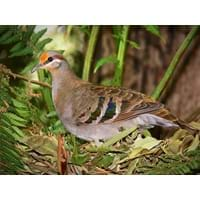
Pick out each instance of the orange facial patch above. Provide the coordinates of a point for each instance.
(44, 56)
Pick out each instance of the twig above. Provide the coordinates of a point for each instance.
(4, 70)
(172, 66)
(62, 156)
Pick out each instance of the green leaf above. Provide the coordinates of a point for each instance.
(105, 60)
(23, 52)
(105, 161)
(194, 144)
(11, 154)
(19, 104)
(119, 136)
(4, 120)
(42, 144)
(140, 145)
(146, 143)
(17, 47)
(117, 30)
(133, 44)
(85, 29)
(15, 120)
(38, 35)
(19, 132)
(14, 132)
(14, 117)
(5, 36)
(51, 114)
(57, 127)
(79, 159)
(40, 45)
(11, 39)
(154, 29)
(4, 28)
(23, 113)
(9, 136)
(29, 67)
(29, 31)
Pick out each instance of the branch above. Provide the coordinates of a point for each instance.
(6, 71)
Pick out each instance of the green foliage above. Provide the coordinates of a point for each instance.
(172, 66)
(174, 165)
(90, 52)
(14, 117)
(105, 60)
(153, 29)
(46, 92)
(103, 161)
(18, 120)
(117, 31)
(22, 42)
(117, 79)
(133, 44)
(25, 44)
(86, 29)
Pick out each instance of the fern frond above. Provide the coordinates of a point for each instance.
(174, 165)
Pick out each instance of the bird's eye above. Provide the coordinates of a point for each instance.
(50, 59)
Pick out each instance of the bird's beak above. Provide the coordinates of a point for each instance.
(36, 68)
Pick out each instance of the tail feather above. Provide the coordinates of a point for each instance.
(167, 115)
(187, 127)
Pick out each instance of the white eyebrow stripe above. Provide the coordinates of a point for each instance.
(53, 61)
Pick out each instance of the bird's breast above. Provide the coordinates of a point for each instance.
(62, 103)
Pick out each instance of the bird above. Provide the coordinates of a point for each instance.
(95, 112)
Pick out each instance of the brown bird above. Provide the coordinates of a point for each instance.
(94, 112)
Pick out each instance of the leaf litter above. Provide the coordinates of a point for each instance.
(131, 154)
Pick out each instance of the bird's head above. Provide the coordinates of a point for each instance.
(50, 60)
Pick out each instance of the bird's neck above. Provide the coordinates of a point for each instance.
(64, 81)
(65, 78)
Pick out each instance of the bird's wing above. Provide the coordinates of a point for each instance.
(100, 104)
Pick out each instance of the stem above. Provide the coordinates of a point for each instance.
(46, 92)
(69, 30)
(172, 66)
(90, 52)
(10, 73)
(117, 80)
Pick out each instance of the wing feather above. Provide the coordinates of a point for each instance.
(100, 104)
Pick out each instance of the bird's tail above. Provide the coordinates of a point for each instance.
(172, 120)
(187, 127)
